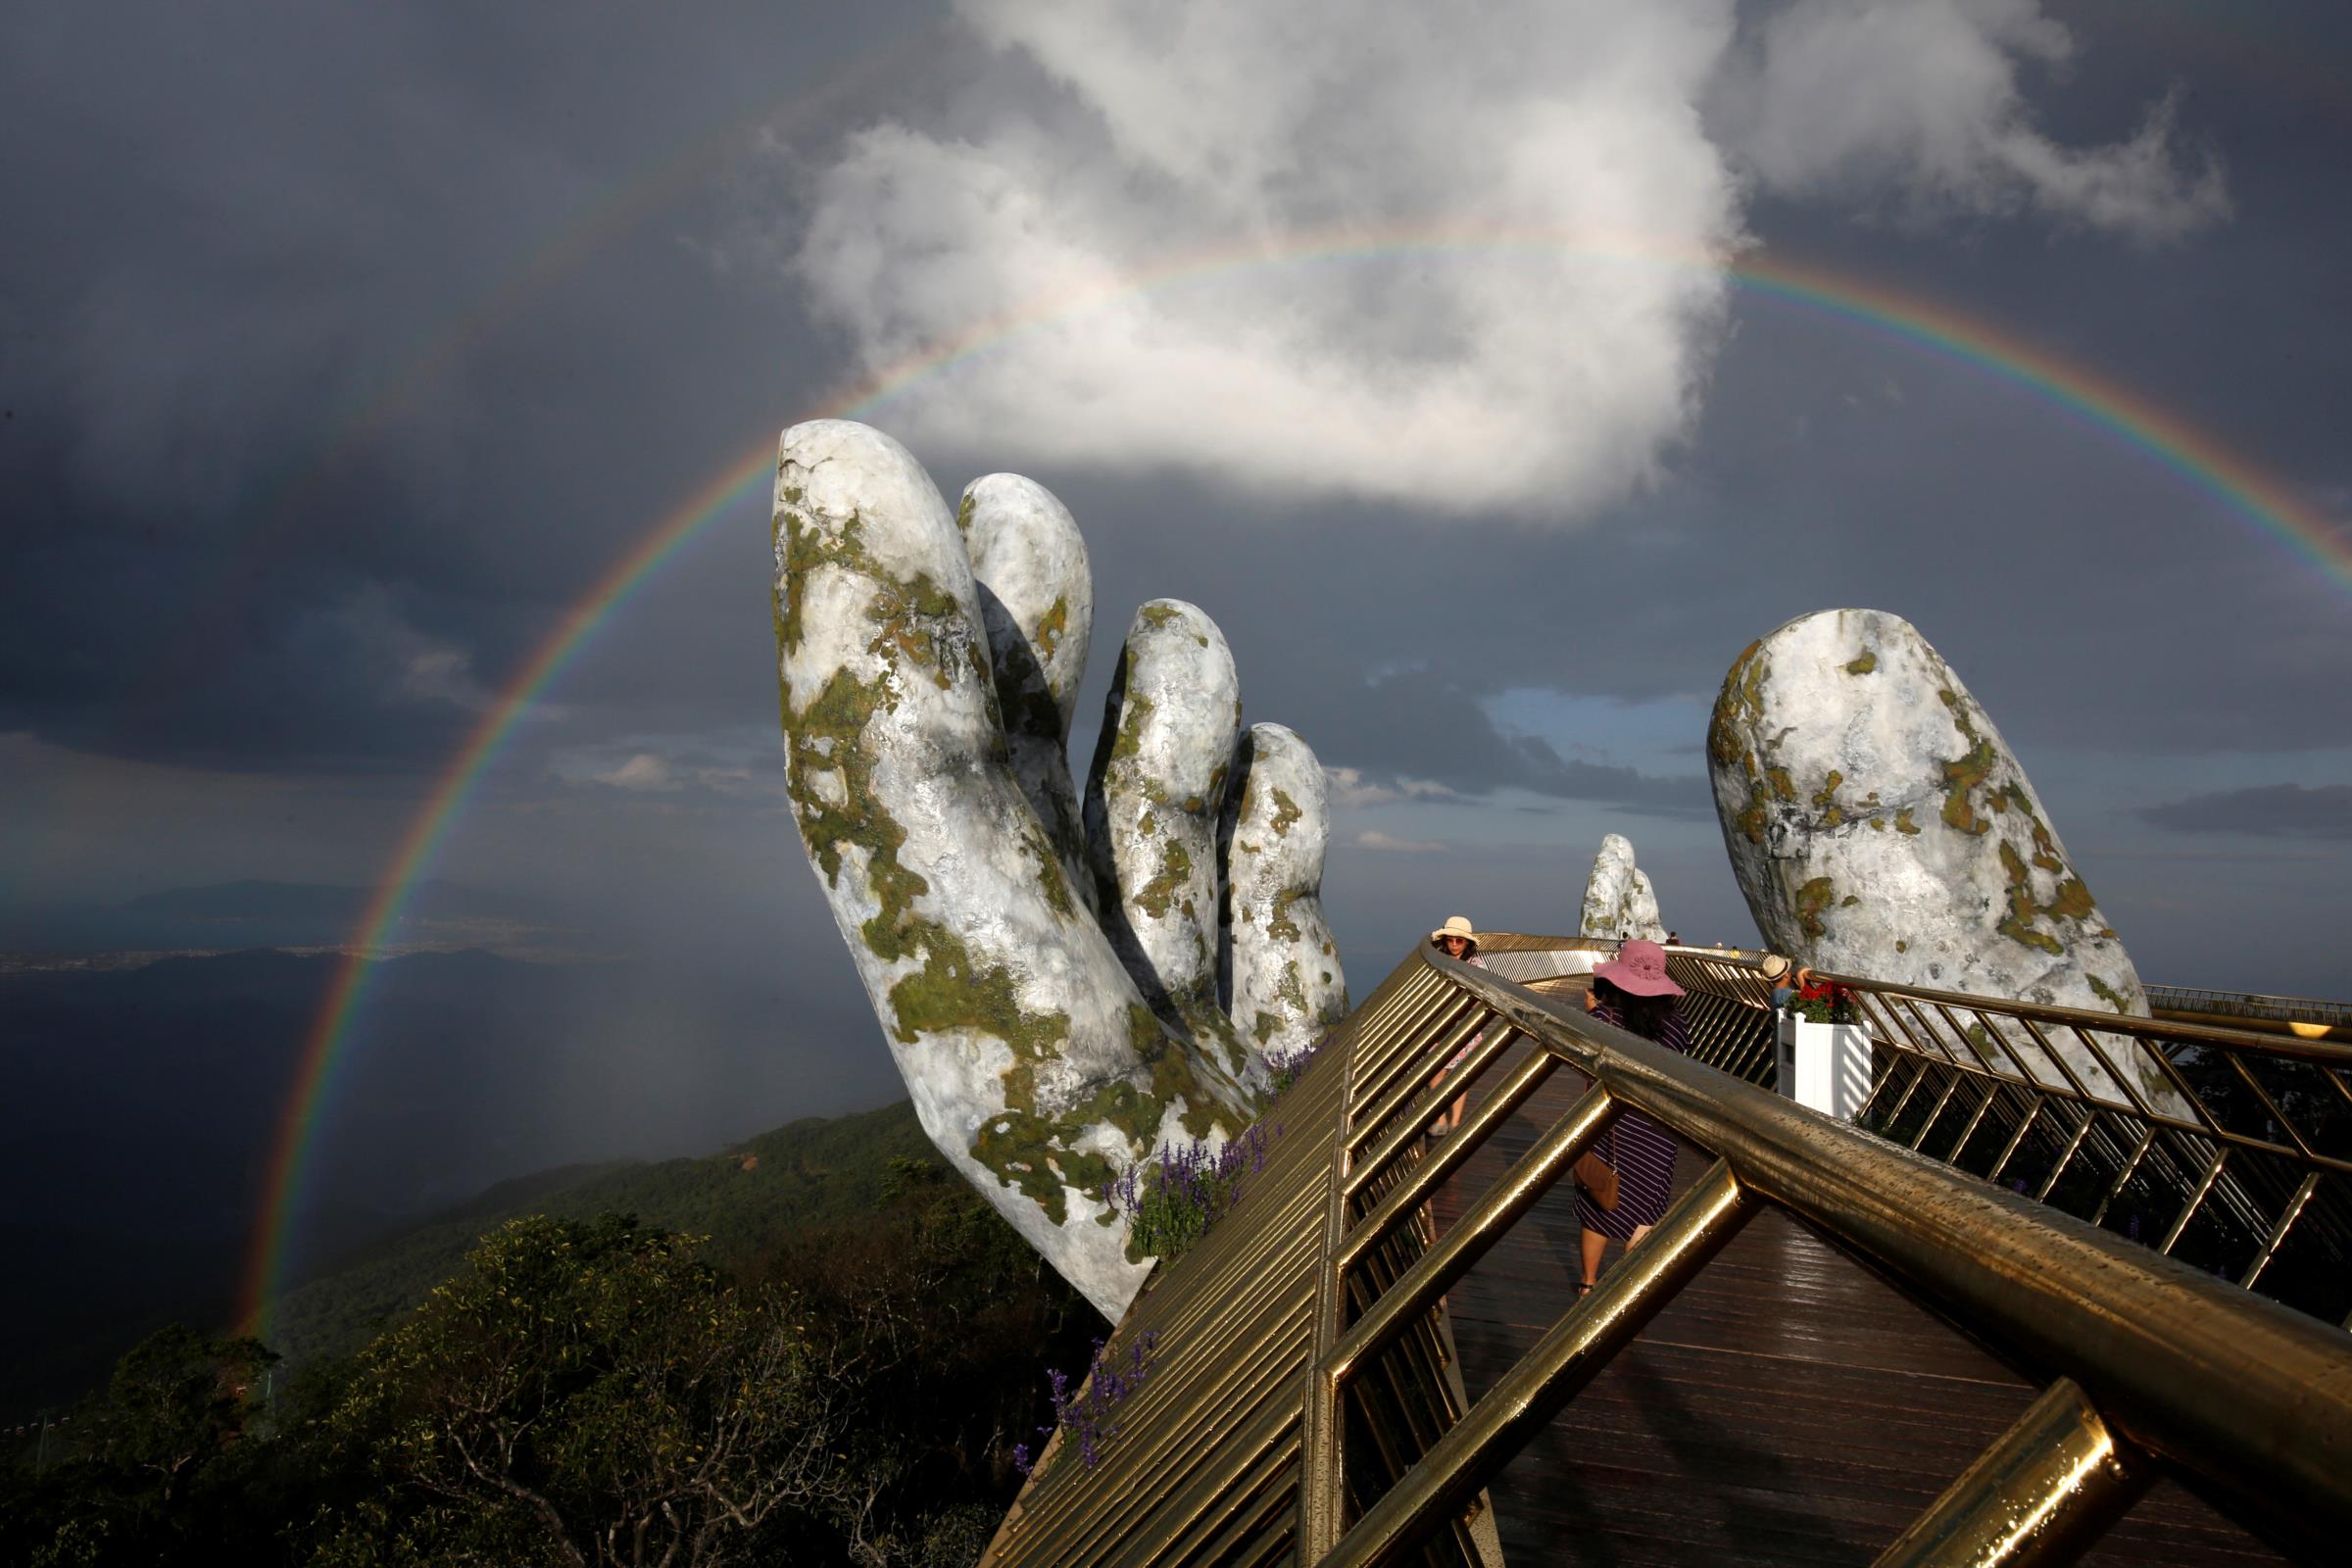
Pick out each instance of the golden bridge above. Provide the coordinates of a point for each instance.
(1990, 1317)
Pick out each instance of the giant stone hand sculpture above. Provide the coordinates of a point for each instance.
(1878, 825)
(927, 711)
(1619, 900)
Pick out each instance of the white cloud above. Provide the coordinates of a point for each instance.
(1372, 838)
(1544, 377)
(1349, 788)
(643, 771)
(1459, 259)
(1920, 100)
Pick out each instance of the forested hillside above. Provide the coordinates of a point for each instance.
(750, 1200)
(566, 1370)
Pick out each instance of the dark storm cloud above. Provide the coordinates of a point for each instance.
(343, 348)
(2274, 811)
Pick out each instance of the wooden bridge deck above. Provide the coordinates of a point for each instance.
(1788, 1407)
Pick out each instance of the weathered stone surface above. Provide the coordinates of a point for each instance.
(1279, 970)
(1879, 826)
(1618, 898)
(1152, 803)
(1033, 1063)
(1036, 599)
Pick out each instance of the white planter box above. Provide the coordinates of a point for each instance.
(1825, 1066)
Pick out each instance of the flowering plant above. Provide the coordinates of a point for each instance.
(1085, 1414)
(1825, 1001)
(1285, 1066)
(1174, 1196)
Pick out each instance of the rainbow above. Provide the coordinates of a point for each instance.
(2264, 505)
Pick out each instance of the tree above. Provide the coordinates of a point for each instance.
(153, 1469)
(176, 1402)
(590, 1394)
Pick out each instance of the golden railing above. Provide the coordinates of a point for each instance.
(2241, 1163)
(1304, 1405)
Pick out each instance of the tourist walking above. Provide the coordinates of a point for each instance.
(1456, 940)
(1633, 992)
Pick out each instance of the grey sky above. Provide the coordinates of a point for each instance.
(344, 347)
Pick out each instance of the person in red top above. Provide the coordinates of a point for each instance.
(1633, 992)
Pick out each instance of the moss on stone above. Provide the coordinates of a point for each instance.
(1740, 697)
(1279, 923)
(1963, 773)
(1172, 1074)
(1811, 899)
(1904, 825)
(2018, 925)
(1751, 820)
(2071, 901)
(1781, 785)
(1052, 627)
(1159, 895)
(1025, 1150)
(1135, 712)
(825, 738)
(1052, 879)
(2108, 994)
(1291, 989)
(1862, 663)
(1286, 813)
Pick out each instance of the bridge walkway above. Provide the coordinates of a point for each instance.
(1377, 1358)
(1788, 1407)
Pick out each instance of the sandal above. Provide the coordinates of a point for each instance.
(1583, 1288)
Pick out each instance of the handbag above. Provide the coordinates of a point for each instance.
(1598, 1178)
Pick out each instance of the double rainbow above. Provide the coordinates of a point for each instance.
(2261, 503)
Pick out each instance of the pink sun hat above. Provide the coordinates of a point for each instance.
(1639, 970)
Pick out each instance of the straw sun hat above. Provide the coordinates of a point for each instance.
(1456, 925)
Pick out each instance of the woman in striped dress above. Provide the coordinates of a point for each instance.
(1633, 992)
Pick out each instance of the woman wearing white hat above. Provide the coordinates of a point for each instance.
(1633, 992)
(1456, 940)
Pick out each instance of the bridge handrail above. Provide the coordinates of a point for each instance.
(2147, 1353)
(2308, 1012)
(2254, 1180)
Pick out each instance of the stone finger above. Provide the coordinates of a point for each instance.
(1280, 974)
(1037, 601)
(1152, 799)
(1878, 825)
